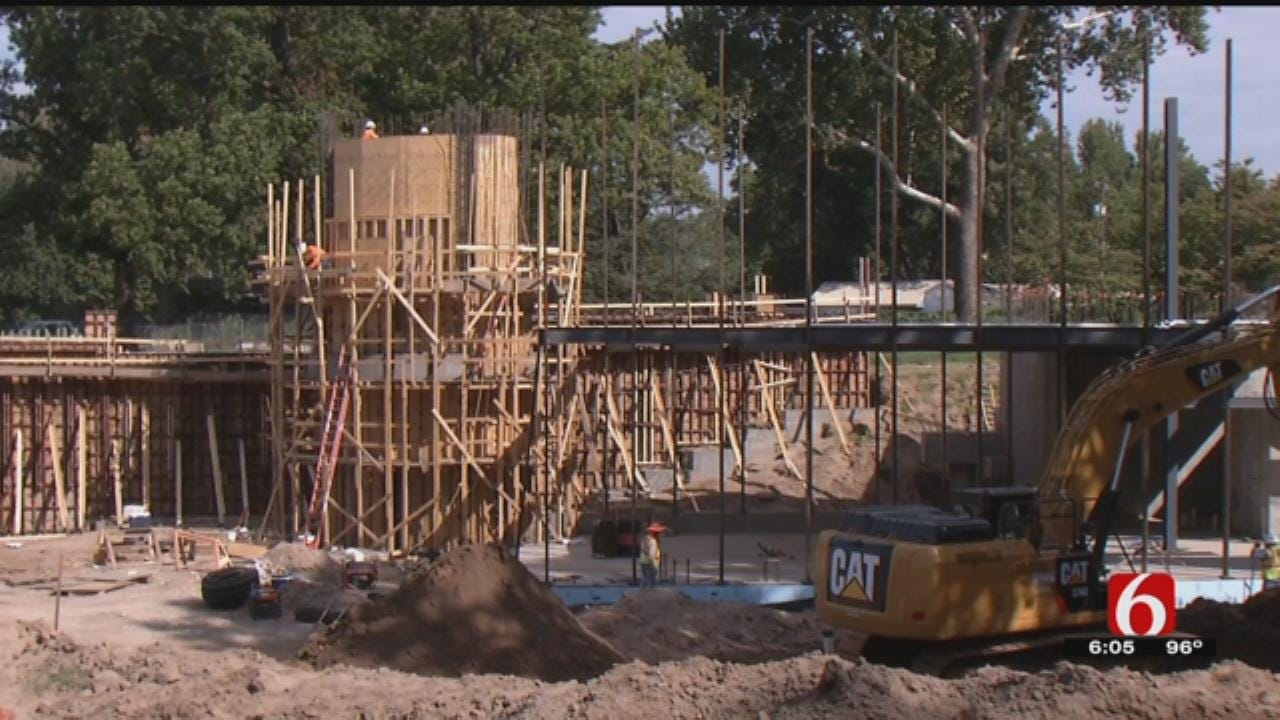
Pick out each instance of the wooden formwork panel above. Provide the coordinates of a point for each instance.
(130, 435)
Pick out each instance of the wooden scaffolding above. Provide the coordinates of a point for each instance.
(420, 321)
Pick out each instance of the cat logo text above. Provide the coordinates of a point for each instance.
(858, 573)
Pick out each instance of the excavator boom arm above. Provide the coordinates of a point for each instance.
(1120, 405)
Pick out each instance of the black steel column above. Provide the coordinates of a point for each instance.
(1170, 311)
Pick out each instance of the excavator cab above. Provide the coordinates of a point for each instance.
(1007, 510)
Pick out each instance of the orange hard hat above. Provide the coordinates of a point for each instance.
(657, 527)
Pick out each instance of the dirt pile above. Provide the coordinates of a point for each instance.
(45, 674)
(317, 579)
(660, 625)
(1249, 632)
(474, 610)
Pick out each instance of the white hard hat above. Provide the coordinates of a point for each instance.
(369, 124)
(423, 130)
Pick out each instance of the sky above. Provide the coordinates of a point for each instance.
(1197, 82)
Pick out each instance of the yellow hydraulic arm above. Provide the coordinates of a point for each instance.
(1122, 403)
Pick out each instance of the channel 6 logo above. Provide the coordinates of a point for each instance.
(1141, 604)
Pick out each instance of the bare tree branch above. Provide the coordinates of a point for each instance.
(906, 189)
(970, 25)
(916, 94)
(1008, 48)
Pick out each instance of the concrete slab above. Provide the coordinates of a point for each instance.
(1196, 567)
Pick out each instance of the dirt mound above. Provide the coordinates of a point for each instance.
(317, 579)
(475, 610)
(660, 625)
(1249, 633)
(48, 675)
(1264, 608)
(316, 566)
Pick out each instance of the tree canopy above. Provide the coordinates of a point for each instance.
(132, 170)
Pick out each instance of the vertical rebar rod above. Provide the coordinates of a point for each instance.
(875, 357)
(808, 303)
(1006, 390)
(893, 273)
(1171, 187)
(946, 475)
(980, 236)
(634, 418)
(742, 299)
(1144, 448)
(1062, 249)
(1008, 213)
(671, 356)
(605, 467)
(1226, 303)
(722, 424)
(604, 199)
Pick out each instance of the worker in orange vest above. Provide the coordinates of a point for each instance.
(370, 131)
(312, 256)
(651, 555)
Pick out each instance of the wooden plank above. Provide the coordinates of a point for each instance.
(245, 550)
(244, 480)
(145, 442)
(216, 463)
(82, 471)
(831, 406)
(619, 441)
(466, 455)
(726, 420)
(17, 482)
(177, 481)
(391, 288)
(669, 437)
(51, 438)
(117, 481)
(777, 425)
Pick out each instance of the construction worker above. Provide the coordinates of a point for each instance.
(312, 256)
(1269, 562)
(370, 130)
(651, 555)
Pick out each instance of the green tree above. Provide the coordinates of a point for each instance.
(968, 59)
(147, 149)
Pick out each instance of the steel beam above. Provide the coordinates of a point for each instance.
(1095, 339)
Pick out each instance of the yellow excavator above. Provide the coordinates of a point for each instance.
(922, 582)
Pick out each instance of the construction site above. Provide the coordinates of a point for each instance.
(425, 495)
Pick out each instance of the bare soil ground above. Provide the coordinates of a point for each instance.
(154, 651)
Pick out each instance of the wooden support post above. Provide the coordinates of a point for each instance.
(669, 439)
(51, 439)
(725, 419)
(767, 397)
(18, 489)
(216, 464)
(466, 454)
(177, 482)
(82, 471)
(244, 481)
(627, 460)
(831, 406)
(145, 442)
(117, 482)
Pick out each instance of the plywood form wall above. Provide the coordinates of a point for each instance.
(131, 431)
